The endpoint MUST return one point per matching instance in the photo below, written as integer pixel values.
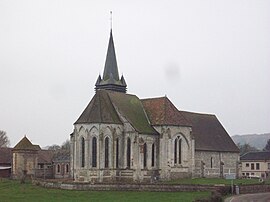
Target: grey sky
(208, 56)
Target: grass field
(14, 191)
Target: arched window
(175, 151)
(117, 153)
(67, 168)
(58, 168)
(144, 155)
(94, 152)
(128, 152)
(82, 152)
(106, 152)
(153, 155)
(178, 150)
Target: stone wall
(246, 189)
(216, 164)
(169, 169)
(24, 163)
(129, 187)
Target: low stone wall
(127, 187)
(247, 189)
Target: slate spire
(110, 79)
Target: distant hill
(255, 140)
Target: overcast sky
(210, 56)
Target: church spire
(110, 63)
(110, 79)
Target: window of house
(128, 152)
(247, 164)
(243, 173)
(82, 152)
(106, 152)
(211, 162)
(67, 168)
(117, 153)
(178, 150)
(268, 166)
(257, 166)
(94, 152)
(252, 166)
(247, 174)
(58, 168)
(251, 173)
(153, 155)
(144, 155)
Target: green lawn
(14, 191)
(213, 181)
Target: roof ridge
(197, 113)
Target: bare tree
(4, 141)
(267, 146)
(246, 148)
(66, 145)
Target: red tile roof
(161, 111)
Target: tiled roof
(256, 155)
(5, 155)
(45, 156)
(130, 107)
(105, 106)
(99, 110)
(161, 111)
(209, 134)
(63, 156)
(25, 144)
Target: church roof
(161, 111)
(110, 63)
(25, 144)
(209, 133)
(256, 155)
(99, 110)
(110, 79)
(105, 106)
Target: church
(122, 138)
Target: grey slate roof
(209, 133)
(256, 155)
(99, 110)
(110, 79)
(105, 106)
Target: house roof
(25, 144)
(45, 156)
(161, 111)
(105, 106)
(209, 133)
(256, 155)
(63, 156)
(5, 155)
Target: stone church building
(120, 137)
